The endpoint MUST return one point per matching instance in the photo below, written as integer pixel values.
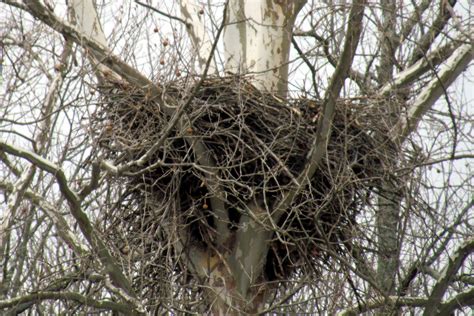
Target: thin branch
(93, 183)
(355, 75)
(98, 245)
(60, 222)
(377, 303)
(169, 16)
(426, 42)
(70, 296)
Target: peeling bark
(257, 41)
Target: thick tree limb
(71, 296)
(193, 15)
(427, 40)
(462, 299)
(414, 72)
(455, 65)
(376, 304)
(102, 53)
(455, 262)
(318, 148)
(56, 286)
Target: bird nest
(254, 145)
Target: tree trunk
(257, 41)
(388, 215)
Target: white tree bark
(87, 19)
(454, 66)
(194, 16)
(257, 39)
(84, 16)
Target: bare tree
(236, 157)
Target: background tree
(374, 76)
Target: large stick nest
(257, 144)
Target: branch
(127, 72)
(355, 75)
(40, 144)
(71, 296)
(93, 183)
(454, 66)
(446, 234)
(57, 285)
(425, 42)
(252, 235)
(169, 16)
(354, 30)
(318, 148)
(377, 303)
(465, 298)
(455, 262)
(414, 19)
(73, 199)
(102, 53)
(194, 21)
(414, 72)
(60, 222)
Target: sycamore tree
(236, 157)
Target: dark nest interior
(257, 144)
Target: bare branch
(455, 65)
(60, 222)
(71, 296)
(426, 42)
(82, 219)
(455, 262)
(194, 21)
(414, 72)
(169, 16)
(375, 304)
